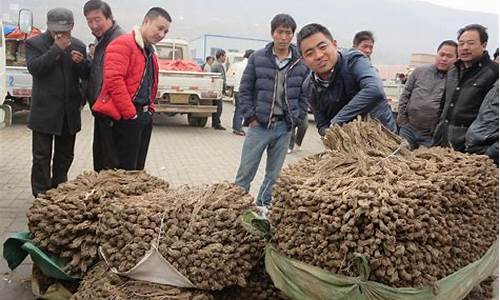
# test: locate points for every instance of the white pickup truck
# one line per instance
(185, 92)
(15, 80)
(393, 92)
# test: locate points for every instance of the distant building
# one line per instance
(208, 44)
(418, 59)
(388, 72)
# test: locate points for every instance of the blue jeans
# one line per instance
(415, 138)
(275, 140)
(237, 117)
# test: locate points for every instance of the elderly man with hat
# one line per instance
(55, 59)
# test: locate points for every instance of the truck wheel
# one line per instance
(197, 121)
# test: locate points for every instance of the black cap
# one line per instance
(60, 19)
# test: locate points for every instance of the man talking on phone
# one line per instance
(55, 60)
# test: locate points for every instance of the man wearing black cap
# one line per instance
(56, 62)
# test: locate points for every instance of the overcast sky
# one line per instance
(489, 6)
(401, 27)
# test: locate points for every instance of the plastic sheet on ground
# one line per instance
(153, 267)
(301, 281)
(19, 245)
(305, 282)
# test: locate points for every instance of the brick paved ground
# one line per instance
(178, 153)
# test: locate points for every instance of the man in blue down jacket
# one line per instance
(271, 102)
(342, 85)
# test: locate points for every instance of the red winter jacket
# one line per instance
(124, 68)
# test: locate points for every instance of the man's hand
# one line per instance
(401, 120)
(62, 40)
(76, 56)
(254, 124)
(322, 131)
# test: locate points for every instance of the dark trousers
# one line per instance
(216, 115)
(415, 138)
(104, 152)
(298, 137)
(64, 145)
(131, 139)
(237, 117)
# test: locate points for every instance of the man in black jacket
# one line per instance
(56, 62)
(104, 28)
(468, 81)
(482, 136)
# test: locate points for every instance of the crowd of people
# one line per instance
(451, 103)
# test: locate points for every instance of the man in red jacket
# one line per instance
(129, 88)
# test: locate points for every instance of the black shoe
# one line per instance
(218, 127)
(239, 132)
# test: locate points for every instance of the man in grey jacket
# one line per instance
(104, 28)
(419, 103)
(218, 67)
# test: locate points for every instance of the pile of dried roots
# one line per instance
(100, 283)
(196, 229)
(64, 220)
(417, 216)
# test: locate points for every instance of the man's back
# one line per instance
(217, 67)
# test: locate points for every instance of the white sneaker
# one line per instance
(298, 148)
(289, 151)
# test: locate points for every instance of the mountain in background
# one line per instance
(400, 27)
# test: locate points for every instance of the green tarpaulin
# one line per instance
(301, 281)
(19, 245)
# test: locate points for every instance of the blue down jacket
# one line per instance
(257, 88)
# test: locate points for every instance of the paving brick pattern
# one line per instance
(178, 153)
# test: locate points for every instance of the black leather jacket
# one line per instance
(465, 90)
(482, 136)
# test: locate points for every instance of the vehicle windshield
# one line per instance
(169, 53)
(15, 53)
